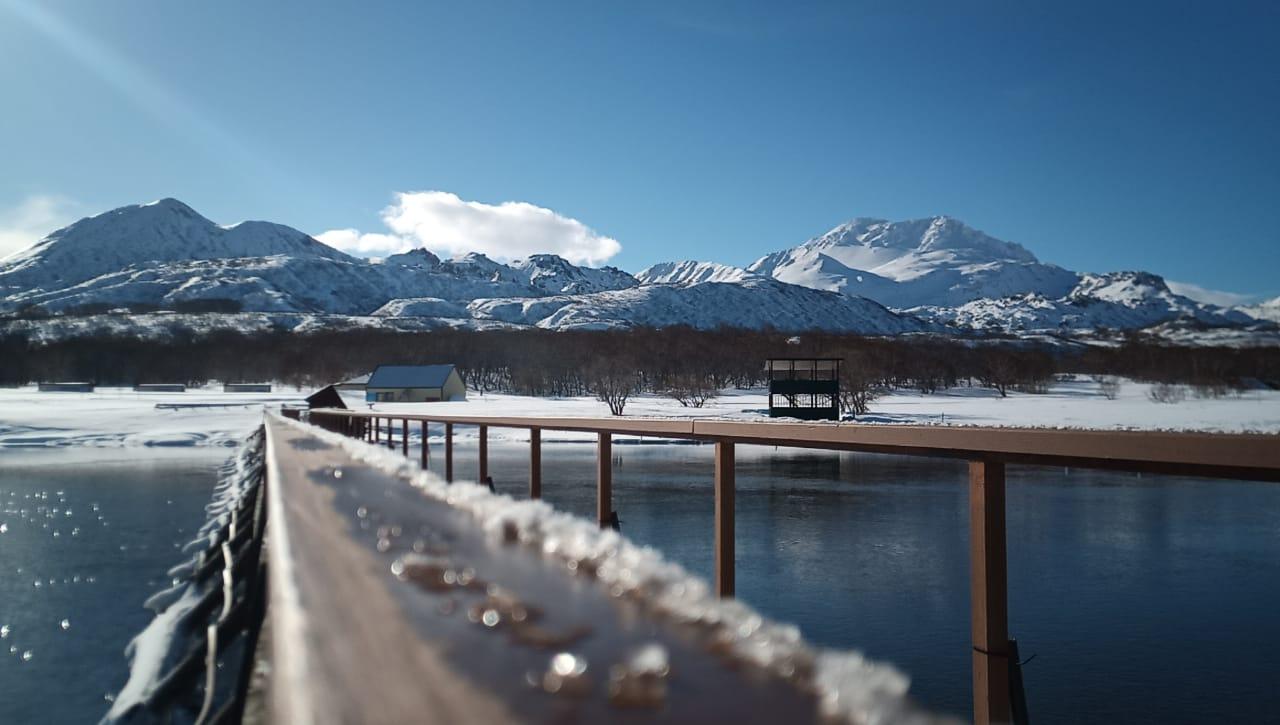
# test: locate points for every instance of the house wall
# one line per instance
(401, 395)
(454, 388)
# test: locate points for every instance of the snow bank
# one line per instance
(119, 417)
(163, 642)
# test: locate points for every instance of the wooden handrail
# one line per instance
(1247, 456)
(988, 450)
(389, 605)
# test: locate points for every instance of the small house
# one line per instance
(414, 384)
(805, 388)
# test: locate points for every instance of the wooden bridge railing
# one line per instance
(391, 605)
(988, 451)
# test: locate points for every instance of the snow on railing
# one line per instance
(847, 685)
(204, 624)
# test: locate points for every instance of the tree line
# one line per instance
(685, 363)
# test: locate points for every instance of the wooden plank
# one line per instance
(724, 542)
(604, 479)
(988, 586)
(535, 463)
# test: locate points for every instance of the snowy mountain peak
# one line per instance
(161, 231)
(690, 272)
(418, 258)
(933, 234)
(554, 274)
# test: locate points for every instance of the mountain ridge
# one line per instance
(867, 275)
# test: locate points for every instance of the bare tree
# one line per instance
(859, 385)
(612, 385)
(1167, 393)
(691, 390)
(1108, 385)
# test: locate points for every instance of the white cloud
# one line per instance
(1210, 296)
(352, 241)
(450, 226)
(31, 220)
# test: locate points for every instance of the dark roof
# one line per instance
(409, 376)
(326, 397)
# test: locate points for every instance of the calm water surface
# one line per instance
(88, 534)
(1144, 599)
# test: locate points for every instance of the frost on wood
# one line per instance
(849, 686)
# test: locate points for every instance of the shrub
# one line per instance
(1167, 393)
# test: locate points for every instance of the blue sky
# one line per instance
(1100, 135)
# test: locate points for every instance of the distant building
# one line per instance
(805, 388)
(414, 384)
(326, 397)
(246, 387)
(160, 388)
(65, 387)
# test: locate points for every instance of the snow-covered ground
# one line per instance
(121, 417)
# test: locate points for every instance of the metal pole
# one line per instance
(604, 479)
(724, 519)
(448, 452)
(535, 463)
(989, 603)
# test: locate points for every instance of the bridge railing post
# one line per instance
(448, 452)
(484, 454)
(426, 450)
(604, 479)
(724, 543)
(535, 463)
(988, 590)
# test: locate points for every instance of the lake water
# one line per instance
(88, 535)
(1144, 599)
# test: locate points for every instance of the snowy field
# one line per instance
(121, 417)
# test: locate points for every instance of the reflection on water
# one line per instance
(85, 536)
(1145, 599)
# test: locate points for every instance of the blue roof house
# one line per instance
(414, 384)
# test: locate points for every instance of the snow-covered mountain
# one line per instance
(945, 271)
(163, 254)
(936, 262)
(1113, 301)
(753, 303)
(554, 275)
(689, 272)
(1268, 311)
(869, 276)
